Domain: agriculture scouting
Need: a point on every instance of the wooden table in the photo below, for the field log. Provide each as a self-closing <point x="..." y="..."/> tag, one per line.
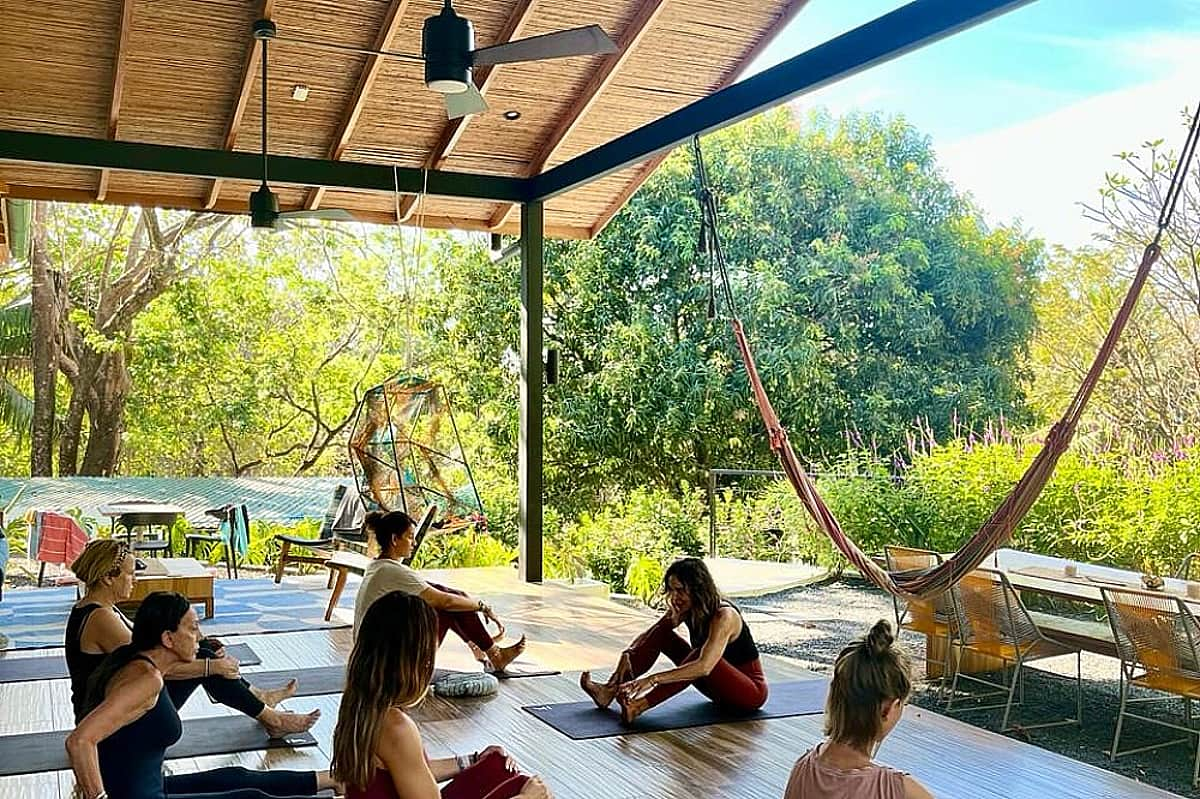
<point x="186" y="576"/>
<point x="143" y="513"/>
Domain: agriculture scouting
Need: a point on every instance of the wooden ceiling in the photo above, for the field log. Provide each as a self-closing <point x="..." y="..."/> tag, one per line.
<point x="186" y="73"/>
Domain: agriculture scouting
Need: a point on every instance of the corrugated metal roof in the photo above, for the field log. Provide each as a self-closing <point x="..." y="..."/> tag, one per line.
<point x="275" y="499"/>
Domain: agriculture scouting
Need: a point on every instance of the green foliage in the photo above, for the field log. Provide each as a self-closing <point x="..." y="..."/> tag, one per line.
<point x="463" y="550"/>
<point x="644" y="578"/>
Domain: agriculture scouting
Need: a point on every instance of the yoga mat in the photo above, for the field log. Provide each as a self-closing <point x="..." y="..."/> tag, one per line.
<point x="309" y="682"/>
<point x="31" y="753"/>
<point x="581" y="720"/>
<point x="55" y="667"/>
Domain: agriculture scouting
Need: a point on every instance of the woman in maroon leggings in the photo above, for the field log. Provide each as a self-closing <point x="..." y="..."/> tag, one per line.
<point x="720" y="659"/>
<point x="455" y="610"/>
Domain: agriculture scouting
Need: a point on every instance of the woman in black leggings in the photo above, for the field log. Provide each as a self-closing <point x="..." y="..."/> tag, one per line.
<point x="96" y="627"/>
<point x="117" y="750"/>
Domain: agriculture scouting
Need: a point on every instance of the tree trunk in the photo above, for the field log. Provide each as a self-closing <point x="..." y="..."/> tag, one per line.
<point x="45" y="318"/>
<point x="106" y="416"/>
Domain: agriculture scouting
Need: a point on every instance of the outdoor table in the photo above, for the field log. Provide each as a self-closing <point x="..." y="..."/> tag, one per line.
<point x="141" y="513"/>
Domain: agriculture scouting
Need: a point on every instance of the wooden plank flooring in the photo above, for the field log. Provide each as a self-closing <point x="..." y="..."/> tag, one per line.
<point x="572" y="631"/>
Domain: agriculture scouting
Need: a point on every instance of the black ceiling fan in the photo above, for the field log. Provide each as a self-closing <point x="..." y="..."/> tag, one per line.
<point x="264" y="203"/>
<point x="449" y="54"/>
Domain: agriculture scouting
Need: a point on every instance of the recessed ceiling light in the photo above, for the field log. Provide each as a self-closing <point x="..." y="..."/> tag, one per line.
<point x="299" y="92"/>
<point x="512" y="115"/>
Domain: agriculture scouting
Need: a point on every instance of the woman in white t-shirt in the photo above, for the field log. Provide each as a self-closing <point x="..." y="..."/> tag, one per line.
<point x="456" y="610"/>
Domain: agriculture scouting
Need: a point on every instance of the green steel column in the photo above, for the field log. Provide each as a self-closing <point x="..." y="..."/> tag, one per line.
<point x="529" y="462"/>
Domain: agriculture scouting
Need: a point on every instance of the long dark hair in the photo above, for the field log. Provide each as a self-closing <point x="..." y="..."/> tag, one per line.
<point x="706" y="597"/>
<point x="159" y="613"/>
<point x="391" y="664"/>
<point x="387" y="527"/>
<point x="869" y="672"/>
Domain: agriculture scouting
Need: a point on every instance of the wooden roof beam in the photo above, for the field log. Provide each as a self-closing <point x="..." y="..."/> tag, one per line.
<point x="118" y="87"/>
<point x="249" y="73"/>
<point x="630" y="37"/>
<point x="358" y="100"/>
<point x="453" y="132"/>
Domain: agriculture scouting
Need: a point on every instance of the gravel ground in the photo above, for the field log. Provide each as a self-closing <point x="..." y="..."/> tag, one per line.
<point x="811" y="625"/>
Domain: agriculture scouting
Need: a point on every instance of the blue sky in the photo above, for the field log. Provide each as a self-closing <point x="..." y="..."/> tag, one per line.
<point x="1041" y="97"/>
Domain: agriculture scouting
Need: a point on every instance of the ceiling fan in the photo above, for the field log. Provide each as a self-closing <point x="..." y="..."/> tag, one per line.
<point x="449" y="54"/>
<point x="264" y="203"/>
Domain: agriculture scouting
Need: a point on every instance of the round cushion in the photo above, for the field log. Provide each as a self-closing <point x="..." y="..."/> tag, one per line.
<point x="461" y="684"/>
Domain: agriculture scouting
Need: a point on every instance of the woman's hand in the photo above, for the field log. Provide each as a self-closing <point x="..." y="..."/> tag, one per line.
<point x="535" y="789"/>
<point x="509" y="763"/>
<point x="491" y="615"/>
<point x="226" y="667"/>
<point x="639" y="687"/>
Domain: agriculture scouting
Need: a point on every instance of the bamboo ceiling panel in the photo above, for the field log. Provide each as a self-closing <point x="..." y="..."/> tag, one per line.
<point x="183" y="69"/>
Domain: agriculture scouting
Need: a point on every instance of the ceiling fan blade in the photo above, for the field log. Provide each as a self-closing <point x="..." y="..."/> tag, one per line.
<point x="465" y="103"/>
<point x="331" y="214"/>
<point x="345" y="48"/>
<point x="588" y="40"/>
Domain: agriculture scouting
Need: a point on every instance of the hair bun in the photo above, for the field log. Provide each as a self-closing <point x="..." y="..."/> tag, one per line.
<point x="880" y="639"/>
<point x="373" y="517"/>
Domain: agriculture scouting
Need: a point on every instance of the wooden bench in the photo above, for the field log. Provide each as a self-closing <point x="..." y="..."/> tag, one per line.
<point x="345" y="562"/>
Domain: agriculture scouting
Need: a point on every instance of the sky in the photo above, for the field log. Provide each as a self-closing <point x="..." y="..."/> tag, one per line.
<point x="1027" y="111"/>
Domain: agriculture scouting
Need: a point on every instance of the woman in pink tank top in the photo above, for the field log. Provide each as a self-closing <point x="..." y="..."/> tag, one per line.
<point x="377" y="746"/>
<point x="872" y="679"/>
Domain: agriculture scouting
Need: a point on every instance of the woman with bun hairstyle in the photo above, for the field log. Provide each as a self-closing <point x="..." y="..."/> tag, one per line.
<point x="465" y="615"/>
<point x="377" y="748"/>
<point x="95" y="628"/>
<point x="872" y="679"/>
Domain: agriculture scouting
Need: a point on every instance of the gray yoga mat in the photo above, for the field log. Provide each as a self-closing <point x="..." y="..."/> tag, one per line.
<point x="321" y="680"/>
<point x="516" y="669"/>
<point x="44" y="751"/>
<point x="32" y="669"/>
<point x="582" y="720"/>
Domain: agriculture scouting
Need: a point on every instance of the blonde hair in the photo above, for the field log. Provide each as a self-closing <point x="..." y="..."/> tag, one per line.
<point x="390" y="665"/>
<point x="100" y="558"/>
<point x="867" y="673"/>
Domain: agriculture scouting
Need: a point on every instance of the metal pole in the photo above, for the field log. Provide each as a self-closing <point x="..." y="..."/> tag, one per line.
<point x="712" y="513"/>
<point x="529" y="461"/>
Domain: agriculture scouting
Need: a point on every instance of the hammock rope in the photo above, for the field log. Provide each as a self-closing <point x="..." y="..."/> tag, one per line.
<point x="998" y="529"/>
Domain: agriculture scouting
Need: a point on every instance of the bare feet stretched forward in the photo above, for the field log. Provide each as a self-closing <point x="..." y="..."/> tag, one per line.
<point x="273" y="696"/>
<point x="502" y="656"/>
<point x="278" y="724"/>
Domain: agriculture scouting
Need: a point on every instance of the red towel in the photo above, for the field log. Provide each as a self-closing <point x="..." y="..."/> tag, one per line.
<point x="60" y="538"/>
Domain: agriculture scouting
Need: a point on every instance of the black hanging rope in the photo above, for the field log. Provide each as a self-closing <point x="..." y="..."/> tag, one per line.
<point x="1177" y="180"/>
<point x="710" y="235"/>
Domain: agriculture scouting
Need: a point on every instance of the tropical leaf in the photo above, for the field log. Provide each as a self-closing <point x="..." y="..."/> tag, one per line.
<point x="16" y="409"/>
<point x="16" y="329"/>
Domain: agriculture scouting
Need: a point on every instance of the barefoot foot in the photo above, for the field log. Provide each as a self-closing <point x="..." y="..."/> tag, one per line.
<point x="477" y="653"/>
<point x="273" y="696"/>
<point x="631" y="708"/>
<point x="601" y="693"/>
<point x="501" y="657"/>
<point x="279" y="724"/>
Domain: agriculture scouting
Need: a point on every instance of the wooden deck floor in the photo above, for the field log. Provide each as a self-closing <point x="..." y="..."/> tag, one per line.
<point x="571" y="632"/>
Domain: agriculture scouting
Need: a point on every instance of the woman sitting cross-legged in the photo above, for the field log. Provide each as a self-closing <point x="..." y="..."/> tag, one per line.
<point x="456" y="611"/>
<point x="117" y="750"/>
<point x="377" y="749"/>
<point x="872" y="679"/>
<point x="96" y="627"/>
<point x="721" y="659"/>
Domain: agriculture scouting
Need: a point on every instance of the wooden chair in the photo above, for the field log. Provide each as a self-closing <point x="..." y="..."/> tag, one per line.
<point x="342" y="527"/>
<point x="989" y="619"/>
<point x="931" y="617"/>
<point x="233" y="534"/>
<point x="1157" y="638"/>
<point x="343" y="563"/>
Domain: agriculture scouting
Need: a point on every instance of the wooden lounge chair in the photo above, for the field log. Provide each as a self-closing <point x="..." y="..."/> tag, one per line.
<point x="1157" y="638"/>
<point x="342" y="527"/>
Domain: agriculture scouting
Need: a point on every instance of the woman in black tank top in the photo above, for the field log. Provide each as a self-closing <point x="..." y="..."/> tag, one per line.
<point x="96" y="627"/>
<point x="117" y="750"/>
<point x="720" y="657"/>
